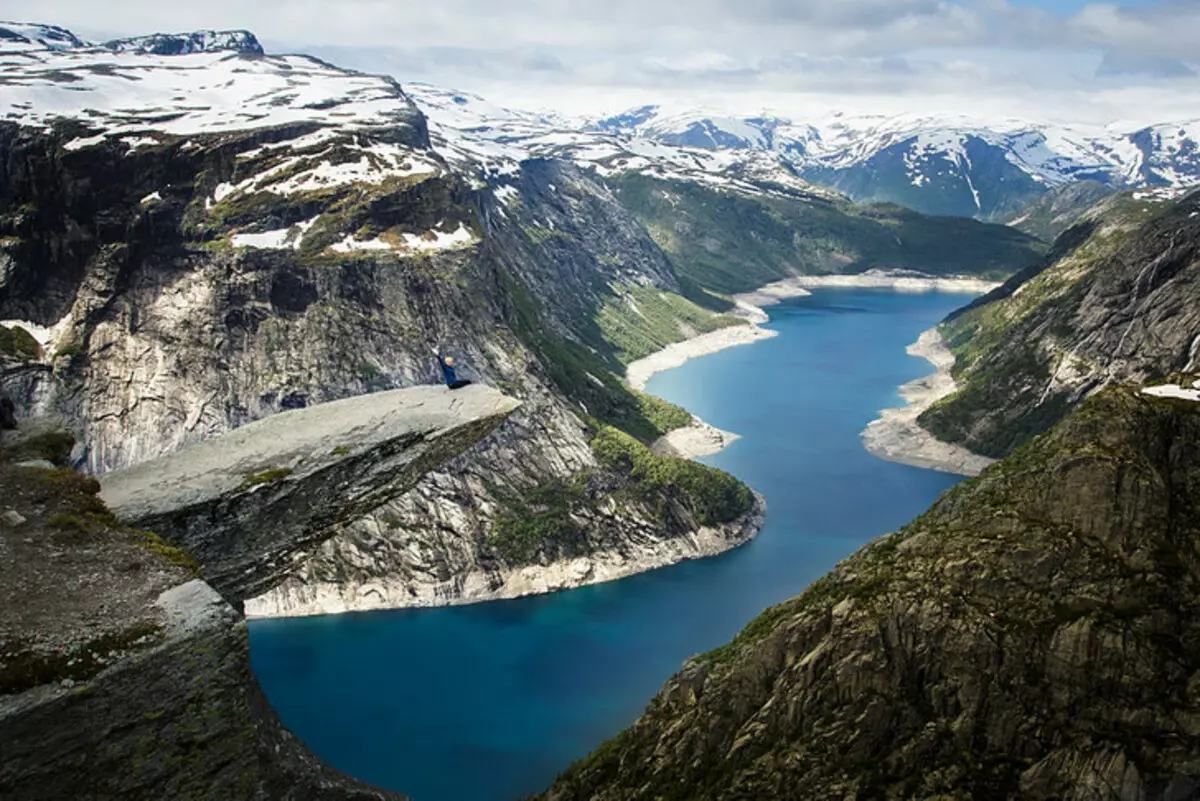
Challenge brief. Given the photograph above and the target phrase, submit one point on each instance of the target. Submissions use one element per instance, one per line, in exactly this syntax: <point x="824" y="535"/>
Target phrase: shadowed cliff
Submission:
<point x="1034" y="635"/>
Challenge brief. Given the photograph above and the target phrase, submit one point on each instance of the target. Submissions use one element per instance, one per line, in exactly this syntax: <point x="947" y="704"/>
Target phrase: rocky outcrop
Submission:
<point x="445" y="542"/>
<point x="1117" y="301"/>
<point x="121" y="673"/>
<point x="250" y="503"/>
<point x="178" y="717"/>
<point x="1033" y="635"/>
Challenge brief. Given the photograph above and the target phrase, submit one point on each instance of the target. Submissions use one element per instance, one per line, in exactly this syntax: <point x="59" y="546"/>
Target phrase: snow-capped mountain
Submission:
<point x="208" y="82"/>
<point x="32" y="36"/>
<point x="161" y="44"/>
<point x="470" y="131"/>
<point x="935" y="164"/>
<point x="938" y="165"/>
<point x="944" y="165"/>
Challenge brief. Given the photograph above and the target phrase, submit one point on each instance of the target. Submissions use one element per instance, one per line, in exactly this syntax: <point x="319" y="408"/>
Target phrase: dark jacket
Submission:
<point x="447" y="371"/>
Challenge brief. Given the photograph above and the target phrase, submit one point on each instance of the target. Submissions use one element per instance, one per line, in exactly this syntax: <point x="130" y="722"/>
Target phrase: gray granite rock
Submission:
<point x="249" y="503"/>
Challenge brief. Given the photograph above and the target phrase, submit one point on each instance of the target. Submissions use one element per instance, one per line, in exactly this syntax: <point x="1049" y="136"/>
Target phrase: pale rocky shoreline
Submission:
<point x="676" y="355"/>
<point x="893" y="437"/>
<point x="896" y="436"/>
<point x="899" y="281"/>
<point x="478" y="586"/>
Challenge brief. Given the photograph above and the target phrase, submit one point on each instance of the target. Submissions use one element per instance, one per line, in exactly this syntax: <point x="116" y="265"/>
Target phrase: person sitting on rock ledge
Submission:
<point x="448" y="372"/>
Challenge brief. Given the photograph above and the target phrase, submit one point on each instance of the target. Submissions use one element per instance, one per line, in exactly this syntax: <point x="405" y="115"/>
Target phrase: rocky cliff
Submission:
<point x="1117" y="300"/>
<point x="121" y="673"/>
<point x="1033" y="635"/>
<point x="189" y="276"/>
<point x="250" y="503"/>
<point x="295" y="239"/>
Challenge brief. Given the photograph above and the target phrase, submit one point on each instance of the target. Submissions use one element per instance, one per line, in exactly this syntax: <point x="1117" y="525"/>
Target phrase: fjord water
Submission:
<point x="489" y="702"/>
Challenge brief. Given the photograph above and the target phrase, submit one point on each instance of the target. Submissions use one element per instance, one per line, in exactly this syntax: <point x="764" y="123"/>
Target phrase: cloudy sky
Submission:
<point x="1072" y="60"/>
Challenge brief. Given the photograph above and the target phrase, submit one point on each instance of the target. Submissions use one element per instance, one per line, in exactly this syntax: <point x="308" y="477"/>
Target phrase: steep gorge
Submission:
<point x="194" y="274"/>
<point x="1033" y="635"/>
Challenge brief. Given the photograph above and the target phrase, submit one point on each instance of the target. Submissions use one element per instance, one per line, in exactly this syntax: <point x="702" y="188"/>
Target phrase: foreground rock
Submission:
<point x="121" y="674"/>
<point x="251" y="502"/>
<point x="1033" y="635"/>
<point x="179" y="715"/>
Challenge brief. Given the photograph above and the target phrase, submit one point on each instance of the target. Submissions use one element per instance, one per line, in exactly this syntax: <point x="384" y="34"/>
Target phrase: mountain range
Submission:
<point x="990" y="169"/>
<point x="937" y="165"/>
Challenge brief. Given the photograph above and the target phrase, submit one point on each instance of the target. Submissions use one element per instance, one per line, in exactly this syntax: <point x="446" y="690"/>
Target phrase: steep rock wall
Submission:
<point x="1032" y="636"/>
<point x="166" y="329"/>
<point x="1118" y="300"/>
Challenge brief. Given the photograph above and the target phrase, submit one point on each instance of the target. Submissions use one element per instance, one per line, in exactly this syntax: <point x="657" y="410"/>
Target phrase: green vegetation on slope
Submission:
<point x="19" y="344"/>
<point x="1030" y="635"/>
<point x="539" y="524"/>
<point x="539" y="520"/>
<point x="586" y="376"/>
<point x="643" y="319"/>
<point x="711" y="495"/>
<point x="1112" y="301"/>
<point x="728" y="242"/>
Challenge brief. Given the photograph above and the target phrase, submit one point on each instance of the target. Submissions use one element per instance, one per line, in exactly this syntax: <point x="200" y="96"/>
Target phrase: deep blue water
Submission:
<point x="491" y="701"/>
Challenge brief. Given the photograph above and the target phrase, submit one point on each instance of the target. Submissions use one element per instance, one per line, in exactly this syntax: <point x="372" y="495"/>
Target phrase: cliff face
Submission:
<point x="1033" y="635"/>
<point x="1117" y="300"/>
<point x="193" y="284"/>
<point x="121" y="673"/>
<point x="194" y="271"/>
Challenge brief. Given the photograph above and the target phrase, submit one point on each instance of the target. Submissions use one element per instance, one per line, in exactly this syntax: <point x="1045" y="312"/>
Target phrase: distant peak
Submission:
<point x="179" y="44"/>
<point x="33" y="35"/>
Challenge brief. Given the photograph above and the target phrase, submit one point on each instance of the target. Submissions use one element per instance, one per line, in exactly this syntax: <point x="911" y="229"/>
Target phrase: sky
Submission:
<point x="1131" y="61"/>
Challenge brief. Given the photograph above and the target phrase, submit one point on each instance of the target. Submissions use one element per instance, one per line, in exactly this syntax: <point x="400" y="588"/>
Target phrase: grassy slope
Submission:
<point x="729" y="242"/>
<point x="1006" y="343"/>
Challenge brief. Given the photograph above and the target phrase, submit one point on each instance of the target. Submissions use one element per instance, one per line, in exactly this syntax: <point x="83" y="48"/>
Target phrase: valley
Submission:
<point x="225" y="272"/>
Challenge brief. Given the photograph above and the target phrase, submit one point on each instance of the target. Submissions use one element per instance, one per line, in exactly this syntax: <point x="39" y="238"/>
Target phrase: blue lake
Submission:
<point x="490" y="702"/>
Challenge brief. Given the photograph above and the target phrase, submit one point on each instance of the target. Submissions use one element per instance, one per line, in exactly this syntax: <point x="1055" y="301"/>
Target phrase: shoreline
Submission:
<point x="898" y="280"/>
<point x="701" y="439"/>
<point x="638" y="373"/>
<point x="480" y="586"/>
<point x="897" y="436"/>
